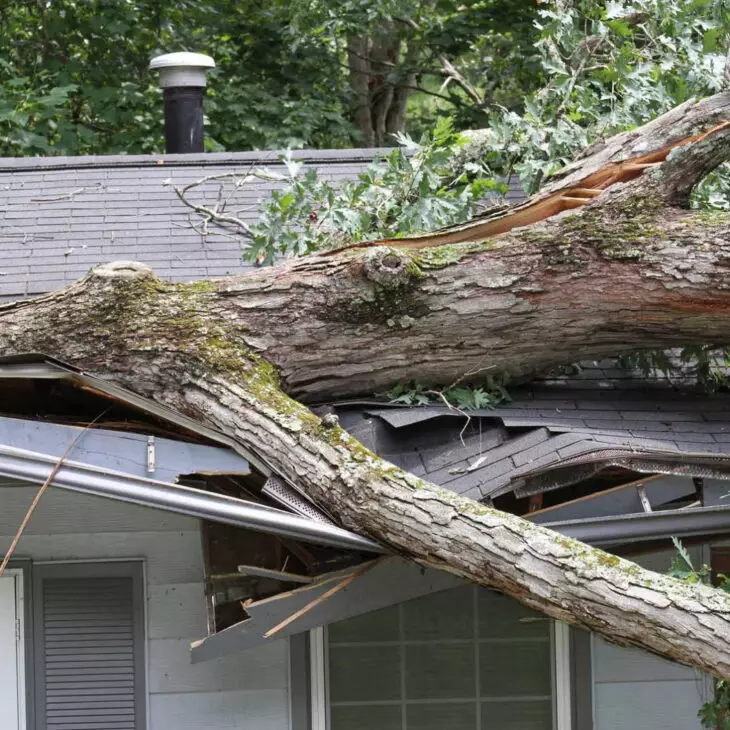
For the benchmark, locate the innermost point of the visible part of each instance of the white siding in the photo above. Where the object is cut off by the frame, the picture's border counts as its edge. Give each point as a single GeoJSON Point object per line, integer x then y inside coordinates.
{"type": "Point", "coordinates": [634, 690]}
{"type": "Point", "coordinates": [246, 690]}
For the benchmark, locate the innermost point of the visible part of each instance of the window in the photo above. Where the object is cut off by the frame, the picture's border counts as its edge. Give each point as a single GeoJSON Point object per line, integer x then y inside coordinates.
{"type": "Point", "coordinates": [89, 646]}
{"type": "Point", "coordinates": [463, 659]}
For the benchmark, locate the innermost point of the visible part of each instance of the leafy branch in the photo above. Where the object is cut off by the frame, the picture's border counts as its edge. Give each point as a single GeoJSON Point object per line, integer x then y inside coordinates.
{"type": "Point", "coordinates": [488, 393]}
{"type": "Point", "coordinates": [715, 714]}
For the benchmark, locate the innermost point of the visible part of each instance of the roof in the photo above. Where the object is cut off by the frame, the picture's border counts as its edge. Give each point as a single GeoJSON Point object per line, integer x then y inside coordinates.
{"type": "Point", "coordinates": [60, 216]}
{"type": "Point", "coordinates": [550, 438]}
{"type": "Point", "coordinates": [106, 462]}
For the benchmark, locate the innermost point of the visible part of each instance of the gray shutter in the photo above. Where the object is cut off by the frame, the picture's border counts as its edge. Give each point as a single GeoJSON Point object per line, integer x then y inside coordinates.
{"type": "Point", "coordinates": [89, 648]}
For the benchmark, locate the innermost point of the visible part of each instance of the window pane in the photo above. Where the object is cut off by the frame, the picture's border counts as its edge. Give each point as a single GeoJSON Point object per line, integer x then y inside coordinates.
{"type": "Point", "coordinates": [366, 717]}
{"type": "Point", "coordinates": [445, 716]}
{"type": "Point", "coordinates": [524, 715]}
{"type": "Point", "coordinates": [364, 673]}
{"type": "Point", "coordinates": [440, 671]}
{"type": "Point", "coordinates": [443, 615]}
{"type": "Point", "coordinates": [515, 668]}
{"type": "Point", "coordinates": [467, 658]}
{"type": "Point", "coordinates": [501, 617]}
{"type": "Point", "coordinates": [376, 626]}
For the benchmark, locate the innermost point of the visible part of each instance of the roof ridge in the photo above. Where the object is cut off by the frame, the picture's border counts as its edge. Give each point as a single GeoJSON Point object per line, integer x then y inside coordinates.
{"type": "Point", "coordinates": [206, 159]}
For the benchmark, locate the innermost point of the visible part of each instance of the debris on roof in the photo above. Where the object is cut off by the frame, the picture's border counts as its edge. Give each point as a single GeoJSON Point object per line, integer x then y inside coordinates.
{"type": "Point", "coordinates": [556, 453]}
{"type": "Point", "coordinates": [61, 216]}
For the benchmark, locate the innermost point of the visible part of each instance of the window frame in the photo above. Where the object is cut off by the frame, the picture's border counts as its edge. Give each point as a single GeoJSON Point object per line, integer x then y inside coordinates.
{"type": "Point", "coordinates": [20, 570]}
{"type": "Point", "coordinates": [318, 705]}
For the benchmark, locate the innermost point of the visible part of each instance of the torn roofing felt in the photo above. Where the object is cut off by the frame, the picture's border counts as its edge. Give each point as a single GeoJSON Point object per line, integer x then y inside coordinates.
{"type": "Point", "coordinates": [550, 438]}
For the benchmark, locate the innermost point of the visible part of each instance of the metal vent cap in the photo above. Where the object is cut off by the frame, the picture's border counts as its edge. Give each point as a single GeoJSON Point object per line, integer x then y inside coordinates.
{"type": "Point", "coordinates": [182, 69]}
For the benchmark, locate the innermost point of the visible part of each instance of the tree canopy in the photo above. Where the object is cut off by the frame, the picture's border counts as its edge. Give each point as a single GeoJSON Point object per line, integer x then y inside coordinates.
{"type": "Point", "coordinates": [74, 79]}
{"type": "Point", "coordinates": [542, 78]}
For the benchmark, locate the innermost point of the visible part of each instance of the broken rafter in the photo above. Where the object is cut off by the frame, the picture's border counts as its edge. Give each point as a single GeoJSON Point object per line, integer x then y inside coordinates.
{"type": "Point", "coordinates": [327, 594]}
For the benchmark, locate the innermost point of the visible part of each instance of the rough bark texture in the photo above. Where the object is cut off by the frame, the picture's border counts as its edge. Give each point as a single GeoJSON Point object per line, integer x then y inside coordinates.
{"type": "Point", "coordinates": [358, 48]}
{"type": "Point", "coordinates": [628, 269]}
{"type": "Point", "coordinates": [381, 83]}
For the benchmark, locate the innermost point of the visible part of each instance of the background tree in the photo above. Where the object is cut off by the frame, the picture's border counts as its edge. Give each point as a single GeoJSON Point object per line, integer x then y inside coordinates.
{"type": "Point", "coordinates": [74, 79]}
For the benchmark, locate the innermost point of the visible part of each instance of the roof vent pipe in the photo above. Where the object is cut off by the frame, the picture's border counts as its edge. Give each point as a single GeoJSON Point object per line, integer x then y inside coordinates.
{"type": "Point", "coordinates": [182, 79]}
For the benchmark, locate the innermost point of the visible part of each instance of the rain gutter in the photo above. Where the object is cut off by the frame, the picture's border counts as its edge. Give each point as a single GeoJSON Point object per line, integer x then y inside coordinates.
{"type": "Point", "coordinates": [35, 467]}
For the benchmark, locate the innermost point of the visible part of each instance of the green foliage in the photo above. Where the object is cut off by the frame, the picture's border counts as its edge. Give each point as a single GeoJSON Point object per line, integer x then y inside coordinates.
{"type": "Point", "coordinates": [411, 191]}
{"type": "Point", "coordinates": [713, 193]}
{"type": "Point", "coordinates": [541, 80]}
{"type": "Point", "coordinates": [605, 68]}
{"type": "Point", "coordinates": [489, 394]}
{"type": "Point", "coordinates": [682, 567]}
{"type": "Point", "coordinates": [715, 714]}
{"type": "Point", "coordinates": [491, 42]}
{"type": "Point", "coordinates": [709, 364]}
{"type": "Point", "coordinates": [74, 78]}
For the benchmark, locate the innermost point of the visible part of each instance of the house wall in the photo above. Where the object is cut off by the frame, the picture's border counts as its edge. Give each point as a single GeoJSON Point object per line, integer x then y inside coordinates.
{"type": "Point", "coordinates": [633, 689]}
{"type": "Point", "coordinates": [244, 690]}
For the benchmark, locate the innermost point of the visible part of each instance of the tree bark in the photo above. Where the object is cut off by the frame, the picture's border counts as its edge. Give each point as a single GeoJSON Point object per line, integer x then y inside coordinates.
{"type": "Point", "coordinates": [358, 53]}
{"type": "Point", "coordinates": [381, 83]}
{"type": "Point", "coordinates": [385, 54]}
{"type": "Point", "coordinates": [604, 260]}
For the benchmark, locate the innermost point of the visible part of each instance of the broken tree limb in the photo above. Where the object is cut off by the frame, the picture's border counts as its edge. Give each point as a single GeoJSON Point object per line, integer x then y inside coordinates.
{"type": "Point", "coordinates": [623, 159]}
{"type": "Point", "coordinates": [630, 268]}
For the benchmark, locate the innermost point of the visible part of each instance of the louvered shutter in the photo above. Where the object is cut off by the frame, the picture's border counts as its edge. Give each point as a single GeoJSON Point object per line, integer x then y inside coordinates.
{"type": "Point", "coordinates": [89, 648]}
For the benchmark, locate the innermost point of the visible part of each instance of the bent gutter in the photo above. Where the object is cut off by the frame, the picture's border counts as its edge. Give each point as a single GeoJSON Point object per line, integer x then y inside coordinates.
{"type": "Point", "coordinates": [638, 527]}
{"type": "Point", "coordinates": [35, 467]}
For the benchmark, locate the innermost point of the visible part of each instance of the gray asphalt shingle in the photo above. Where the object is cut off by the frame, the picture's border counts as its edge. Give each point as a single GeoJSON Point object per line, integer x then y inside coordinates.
{"type": "Point", "coordinates": [570, 430]}
{"type": "Point", "coordinates": [61, 216]}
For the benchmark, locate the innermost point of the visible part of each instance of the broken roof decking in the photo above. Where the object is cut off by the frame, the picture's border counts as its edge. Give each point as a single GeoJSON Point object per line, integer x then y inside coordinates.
{"type": "Point", "coordinates": [550, 437]}
{"type": "Point", "coordinates": [107, 463]}
{"type": "Point", "coordinates": [61, 216]}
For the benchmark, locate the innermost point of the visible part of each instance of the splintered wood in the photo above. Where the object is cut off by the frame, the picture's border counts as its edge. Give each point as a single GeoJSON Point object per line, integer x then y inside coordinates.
{"type": "Point", "coordinates": [541, 208]}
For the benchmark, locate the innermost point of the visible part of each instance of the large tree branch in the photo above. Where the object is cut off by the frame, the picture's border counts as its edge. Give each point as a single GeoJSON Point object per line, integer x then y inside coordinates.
{"type": "Point", "coordinates": [566, 276]}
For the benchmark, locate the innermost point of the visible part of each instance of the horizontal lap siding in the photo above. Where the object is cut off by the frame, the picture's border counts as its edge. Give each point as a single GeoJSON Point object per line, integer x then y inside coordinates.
{"type": "Point", "coordinates": [244, 690]}
{"type": "Point", "coordinates": [635, 690]}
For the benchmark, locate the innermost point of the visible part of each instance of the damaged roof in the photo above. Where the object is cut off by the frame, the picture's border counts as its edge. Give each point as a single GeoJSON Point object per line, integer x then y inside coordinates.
{"type": "Point", "coordinates": [61, 216]}
{"type": "Point", "coordinates": [550, 438]}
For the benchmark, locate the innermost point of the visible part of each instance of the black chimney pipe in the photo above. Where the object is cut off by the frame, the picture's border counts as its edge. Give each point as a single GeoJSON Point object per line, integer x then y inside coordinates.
{"type": "Point", "coordinates": [182, 77]}
{"type": "Point", "coordinates": [184, 119]}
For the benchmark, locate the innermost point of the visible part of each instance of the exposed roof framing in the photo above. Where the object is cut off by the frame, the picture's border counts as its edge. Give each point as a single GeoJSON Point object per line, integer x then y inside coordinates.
{"type": "Point", "coordinates": [31, 465]}
{"type": "Point", "coordinates": [41, 367]}
{"type": "Point", "coordinates": [394, 580]}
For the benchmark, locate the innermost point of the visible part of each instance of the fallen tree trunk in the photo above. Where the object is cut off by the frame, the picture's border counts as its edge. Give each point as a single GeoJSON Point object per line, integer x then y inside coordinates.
{"type": "Point", "coordinates": [581, 274]}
